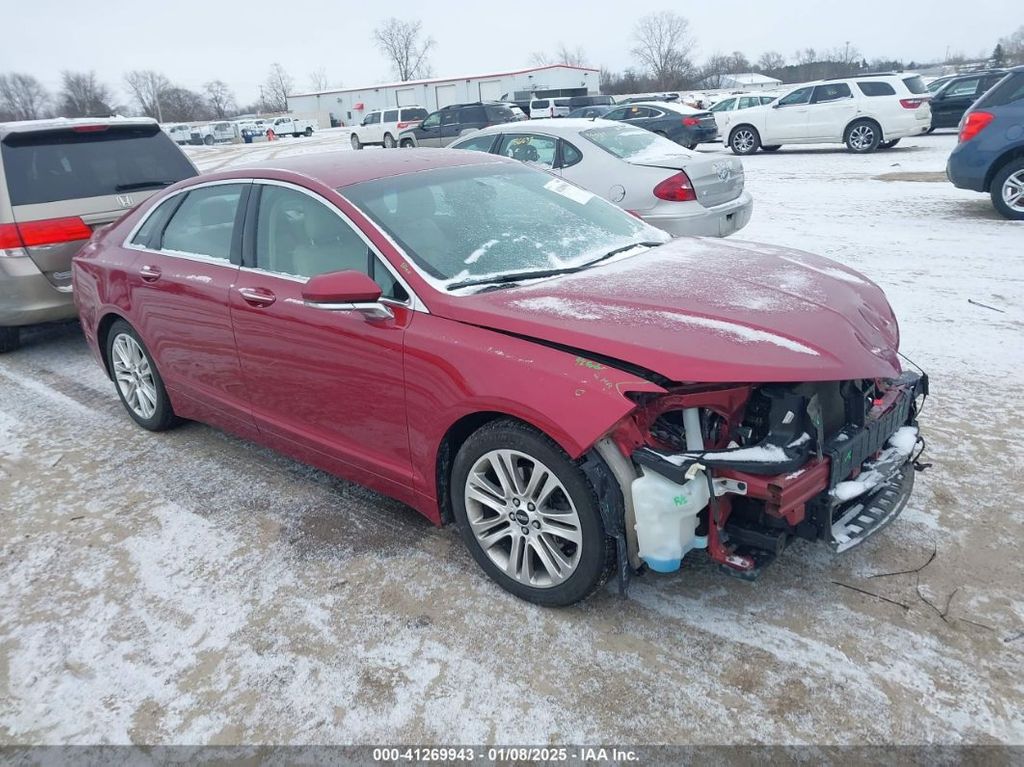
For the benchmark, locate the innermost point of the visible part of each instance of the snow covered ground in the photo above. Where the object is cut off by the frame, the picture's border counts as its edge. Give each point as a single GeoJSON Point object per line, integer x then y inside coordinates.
{"type": "Point", "coordinates": [192, 588]}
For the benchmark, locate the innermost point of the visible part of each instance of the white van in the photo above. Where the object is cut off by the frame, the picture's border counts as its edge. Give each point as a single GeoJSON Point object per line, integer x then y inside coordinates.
{"type": "Point", "coordinates": [543, 108]}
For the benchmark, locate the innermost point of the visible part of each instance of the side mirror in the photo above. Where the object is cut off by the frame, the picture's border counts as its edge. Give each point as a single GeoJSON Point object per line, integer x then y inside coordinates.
{"type": "Point", "coordinates": [348, 291]}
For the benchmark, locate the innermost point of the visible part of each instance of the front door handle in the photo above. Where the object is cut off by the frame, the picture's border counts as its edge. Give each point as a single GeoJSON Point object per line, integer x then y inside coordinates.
{"type": "Point", "coordinates": [149, 273]}
{"type": "Point", "coordinates": [257, 296]}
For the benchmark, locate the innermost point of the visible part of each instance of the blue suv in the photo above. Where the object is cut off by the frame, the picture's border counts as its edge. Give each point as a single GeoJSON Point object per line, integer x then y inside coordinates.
{"type": "Point", "coordinates": [990, 155]}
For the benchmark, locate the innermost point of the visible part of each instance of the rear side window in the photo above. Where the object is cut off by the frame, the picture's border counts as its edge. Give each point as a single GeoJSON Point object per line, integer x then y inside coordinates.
{"type": "Point", "coordinates": [831, 92]}
{"type": "Point", "coordinates": [1009, 90]}
{"type": "Point", "coordinates": [872, 88]}
{"type": "Point", "coordinates": [499, 114]}
{"type": "Point", "coordinates": [477, 143]}
{"type": "Point", "coordinates": [391, 116]}
{"type": "Point", "coordinates": [69, 165]}
{"type": "Point", "coordinates": [570, 154]}
{"type": "Point", "coordinates": [967, 87]}
{"type": "Point", "coordinates": [562, 102]}
{"type": "Point", "coordinates": [155, 222]}
{"type": "Point", "coordinates": [472, 115]}
{"type": "Point", "coordinates": [541, 104]}
{"type": "Point", "coordinates": [414, 114]}
{"type": "Point", "coordinates": [915, 84]}
{"type": "Point", "coordinates": [204, 223]}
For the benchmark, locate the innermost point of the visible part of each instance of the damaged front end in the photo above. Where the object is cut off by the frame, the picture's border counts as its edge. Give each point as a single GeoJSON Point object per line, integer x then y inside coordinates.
{"type": "Point", "coordinates": [742, 470]}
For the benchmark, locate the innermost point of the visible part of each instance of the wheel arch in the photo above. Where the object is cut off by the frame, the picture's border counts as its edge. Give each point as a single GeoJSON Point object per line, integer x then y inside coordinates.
{"type": "Point", "coordinates": [734, 128]}
{"type": "Point", "coordinates": [102, 331]}
{"type": "Point", "coordinates": [863, 118]}
{"type": "Point", "coordinates": [1011, 154]}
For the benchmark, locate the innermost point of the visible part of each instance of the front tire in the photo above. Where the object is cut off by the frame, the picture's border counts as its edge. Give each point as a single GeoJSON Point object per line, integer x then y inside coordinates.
{"type": "Point", "coordinates": [208, 141]}
{"type": "Point", "coordinates": [1007, 190]}
{"type": "Point", "coordinates": [529, 516]}
{"type": "Point", "coordinates": [356, 143]}
{"type": "Point", "coordinates": [10, 339]}
{"type": "Point", "coordinates": [408, 143]}
{"type": "Point", "coordinates": [138, 383]}
{"type": "Point", "coordinates": [863, 137]}
{"type": "Point", "coordinates": [744, 140]}
{"type": "Point", "coordinates": [308, 132]}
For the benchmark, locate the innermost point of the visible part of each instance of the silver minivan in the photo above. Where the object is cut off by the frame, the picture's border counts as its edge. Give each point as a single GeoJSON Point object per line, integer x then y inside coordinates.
{"type": "Point", "coordinates": [59, 180]}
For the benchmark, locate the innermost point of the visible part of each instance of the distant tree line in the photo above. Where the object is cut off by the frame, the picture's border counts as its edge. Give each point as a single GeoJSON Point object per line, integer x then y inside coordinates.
{"type": "Point", "coordinates": [663, 48]}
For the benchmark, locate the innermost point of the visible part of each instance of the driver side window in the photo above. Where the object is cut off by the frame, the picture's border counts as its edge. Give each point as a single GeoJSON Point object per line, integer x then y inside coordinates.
{"type": "Point", "coordinates": [799, 96]}
{"type": "Point", "coordinates": [432, 121]}
{"type": "Point", "coordinates": [300, 236]}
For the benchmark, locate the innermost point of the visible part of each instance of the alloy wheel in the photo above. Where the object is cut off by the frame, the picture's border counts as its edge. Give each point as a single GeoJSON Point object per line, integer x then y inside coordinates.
{"type": "Point", "coordinates": [1013, 191]}
{"type": "Point", "coordinates": [523, 518]}
{"type": "Point", "coordinates": [743, 140]}
{"type": "Point", "coordinates": [134, 376]}
{"type": "Point", "coordinates": [862, 137]}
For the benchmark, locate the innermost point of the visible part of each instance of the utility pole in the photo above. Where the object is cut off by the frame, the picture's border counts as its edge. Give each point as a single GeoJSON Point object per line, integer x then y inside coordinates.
{"type": "Point", "coordinates": [154, 86]}
{"type": "Point", "coordinates": [263, 105]}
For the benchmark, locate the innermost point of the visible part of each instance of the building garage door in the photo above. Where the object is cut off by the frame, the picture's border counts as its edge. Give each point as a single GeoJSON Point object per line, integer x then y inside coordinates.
{"type": "Point", "coordinates": [490, 90]}
{"type": "Point", "coordinates": [405, 97]}
{"type": "Point", "coordinates": [445, 95]}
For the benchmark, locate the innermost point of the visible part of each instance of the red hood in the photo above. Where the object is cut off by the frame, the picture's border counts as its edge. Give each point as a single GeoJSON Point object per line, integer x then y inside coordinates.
{"type": "Point", "coordinates": [706, 311]}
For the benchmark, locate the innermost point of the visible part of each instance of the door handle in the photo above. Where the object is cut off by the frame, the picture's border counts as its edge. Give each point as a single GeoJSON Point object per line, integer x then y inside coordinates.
{"type": "Point", "coordinates": [149, 273]}
{"type": "Point", "coordinates": [257, 296]}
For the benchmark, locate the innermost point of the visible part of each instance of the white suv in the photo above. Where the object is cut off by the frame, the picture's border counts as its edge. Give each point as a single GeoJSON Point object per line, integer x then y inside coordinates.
{"type": "Point", "coordinates": [382, 126]}
{"type": "Point", "coordinates": [866, 113]}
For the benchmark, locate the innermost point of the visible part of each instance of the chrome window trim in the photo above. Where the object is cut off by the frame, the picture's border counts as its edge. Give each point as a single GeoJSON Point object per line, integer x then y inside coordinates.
{"type": "Point", "coordinates": [414, 302]}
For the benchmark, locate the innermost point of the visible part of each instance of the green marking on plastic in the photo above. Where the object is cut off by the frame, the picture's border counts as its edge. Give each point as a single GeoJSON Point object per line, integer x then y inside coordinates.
{"type": "Point", "coordinates": [589, 364]}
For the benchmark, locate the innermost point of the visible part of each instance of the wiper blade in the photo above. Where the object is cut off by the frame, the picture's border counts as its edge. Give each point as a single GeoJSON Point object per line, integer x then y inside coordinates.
{"type": "Point", "coordinates": [142, 185]}
{"type": "Point", "coordinates": [504, 279]}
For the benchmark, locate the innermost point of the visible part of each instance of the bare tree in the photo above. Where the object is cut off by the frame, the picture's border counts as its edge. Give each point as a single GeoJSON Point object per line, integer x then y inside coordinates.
{"type": "Point", "coordinates": [318, 79]}
{"type": "Point", "coordinates": [664, 45]}
{"type": "Point", "coordinates": [219, 97]}
{"type": "Point", "coordinates": [22, 97]}
{"type": "Point", "coordinates": [183, 105]}
{"type": "Point", "coordinates": [147, 88]}
{"type": "Point", "coordinates": [82, 95]}
{"type": "Point", "coordinates": [403, 45]}
{"type": "Point", "coordinates": [806, 56]}
{"type": "Point", "coordinates": [771, 61]}
{"type": "Point", "coordinates": [277, 87]}
{"type": "Point", "coordinates": [573, 57]}
{"type": "Point", "coordinates": [714, 70]}
{"type": "Point", "coordinates": [1013, 46]}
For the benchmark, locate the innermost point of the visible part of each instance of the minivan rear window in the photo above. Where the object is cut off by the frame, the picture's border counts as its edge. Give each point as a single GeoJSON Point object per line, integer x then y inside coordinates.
{"type": "Point", "coordinates": [872, 88]}
{"type": "Point", "coordinates": [915, 84]}
{"type": "Point", "coordinates": [67, 164]}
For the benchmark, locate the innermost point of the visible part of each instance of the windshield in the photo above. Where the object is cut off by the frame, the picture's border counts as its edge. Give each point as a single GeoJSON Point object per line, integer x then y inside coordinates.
{"type": "Point", "coordinates": [472, 222]}
{"type": "Point", "coordinates": [628, 143]}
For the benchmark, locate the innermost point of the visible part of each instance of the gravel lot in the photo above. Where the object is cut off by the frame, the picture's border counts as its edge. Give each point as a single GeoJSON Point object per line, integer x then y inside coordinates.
{"type": "Point", "coordinates": [189, 587]}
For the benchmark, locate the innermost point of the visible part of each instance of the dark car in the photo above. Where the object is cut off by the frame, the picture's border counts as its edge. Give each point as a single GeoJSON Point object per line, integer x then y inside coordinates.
{"type": "Point", "coordinates": [677, 122]}
{"type": "Point", "coordinates": [442, 127]}
{"type": "Point", "coordinates": [955, 97]}
{"type": "Point", "coordinates": [990, 155]}
{"type": "Point", "coordinates": [579, 102]}
{"type": "Point", "coordinates": [599, 110]}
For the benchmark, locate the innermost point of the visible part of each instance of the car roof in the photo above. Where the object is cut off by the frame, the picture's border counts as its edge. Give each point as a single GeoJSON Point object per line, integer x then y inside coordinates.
{"type": "Point", "coordinates": [63, 123]}
{"type": "Point", "coordinates": [345, 167]}
{"type": "Point", "coordinates": [672, 106]}
{"type": "Point", "coordinates": [552, 125]}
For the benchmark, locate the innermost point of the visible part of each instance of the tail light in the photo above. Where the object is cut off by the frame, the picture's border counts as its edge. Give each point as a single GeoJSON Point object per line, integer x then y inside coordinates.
{"type": "Point", "coordinates": [51, 231]}
{"type": "Point", "coordinates": [973, 124]}
{"type": "Point", "coordinates": [90, 128]}
{"type": "Point", "coordinates": [911, 103]}
{"type": "Point", "coordinates": [408, 124]}
{"type": "Point", "coordinates": [675, 188]}
{"type": "Point", "coordinates": [690, 122]}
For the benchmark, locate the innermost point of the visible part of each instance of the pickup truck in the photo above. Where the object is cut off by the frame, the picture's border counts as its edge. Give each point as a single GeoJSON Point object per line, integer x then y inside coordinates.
{"type": "Point", "coordinates": [294, 125]}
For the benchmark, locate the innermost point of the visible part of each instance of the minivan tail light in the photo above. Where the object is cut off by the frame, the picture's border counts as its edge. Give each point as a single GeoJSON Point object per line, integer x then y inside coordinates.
{"type": "Point", "coordinates": [10, 239]}
{"type": "Point", "coordinates": [973, 124]}
{"type": "Point", "coordinates": [50, 231]}
{"type": "Point", "coordinates": [675, 188]}
{"type": "Point", "coordinates": [689, 122]}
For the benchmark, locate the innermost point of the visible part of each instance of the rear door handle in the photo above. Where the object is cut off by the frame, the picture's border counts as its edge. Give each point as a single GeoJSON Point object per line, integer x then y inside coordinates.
{"type": "Point", "coordinates": [257, 296]}
{"type": "Point", "coordinates": [149, 273]}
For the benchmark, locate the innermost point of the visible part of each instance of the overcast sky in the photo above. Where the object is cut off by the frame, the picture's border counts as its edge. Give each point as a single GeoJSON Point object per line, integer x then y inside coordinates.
{"type": "Point", "coordinates": [237, 41]}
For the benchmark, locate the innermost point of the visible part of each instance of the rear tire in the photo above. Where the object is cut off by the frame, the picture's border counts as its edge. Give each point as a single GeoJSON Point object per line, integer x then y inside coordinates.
{"type": "Point", "coordinates": [888, 144]}
{"type": "Point", "coordinates": [744, 140]}
{"type": "Point", "coordinates": [863, 136]}
{"type": "Point", "coordinates": [208, 140]}
{"type": "Point", "coordinates": [389, 141]}
{"type": "Point", "coordinates": [929, 131]}
{"type": "Point", "coordinates": [356, 144]}
{"type": "Point", "coordinates": [771, 148]}
{"type": "Point", "coordinates": [10, 339]}
{"type": "Point", "coordinates": [564, 553]}
{"type": "Point", "coordinates": [138, 382]}
{"type": "Point", "coordinates": [1007, 190]}
{"type": "Point", "coordinates": [308, 132]}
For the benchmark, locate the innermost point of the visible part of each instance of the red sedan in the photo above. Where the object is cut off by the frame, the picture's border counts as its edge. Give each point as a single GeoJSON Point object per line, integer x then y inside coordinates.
{"type": "Point", "coordinates": [496, 347]}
